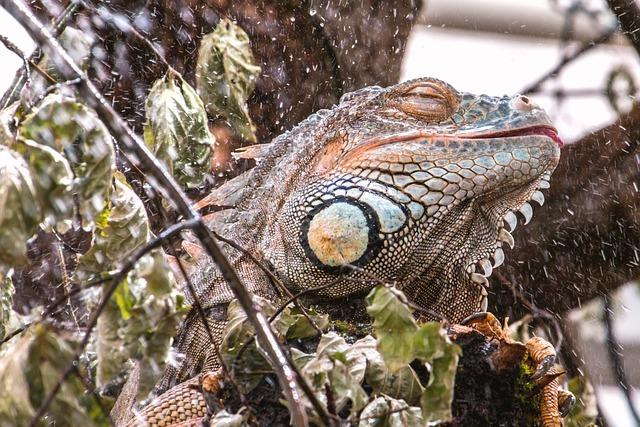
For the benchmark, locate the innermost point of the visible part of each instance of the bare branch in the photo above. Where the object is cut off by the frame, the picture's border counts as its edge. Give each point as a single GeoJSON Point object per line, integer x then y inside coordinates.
{"type": "Point", "coordinates": [59, 24]}
{"type": "Point", "coordinates": [616, 360]}
{"type": "Point", "coordinates": [167, 185]}
{"type": "Point", "coordinates": [628, 14]}
{"type": "Point", "coordinates": [537, 85]}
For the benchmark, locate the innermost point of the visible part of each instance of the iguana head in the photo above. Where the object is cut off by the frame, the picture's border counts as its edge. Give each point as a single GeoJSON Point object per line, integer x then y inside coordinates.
{"type": "Point", "coordinates": [416, 184]}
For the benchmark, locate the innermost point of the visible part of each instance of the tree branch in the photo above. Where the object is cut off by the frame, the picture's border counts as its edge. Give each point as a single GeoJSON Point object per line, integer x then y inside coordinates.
{"type": "Point", "coordinates": [170, 189]}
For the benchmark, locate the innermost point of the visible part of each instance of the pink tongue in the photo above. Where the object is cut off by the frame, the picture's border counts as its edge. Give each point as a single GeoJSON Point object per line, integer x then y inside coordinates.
{"type": "Point", "coordinates": [551, 133]}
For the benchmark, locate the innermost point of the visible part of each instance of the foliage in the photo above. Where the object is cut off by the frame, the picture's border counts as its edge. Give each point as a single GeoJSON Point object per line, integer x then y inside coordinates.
{"type": "Point", "coordinates": [226, 75]}
{"type": "Point", "coordinates": [339, 372]}
{"type": "Point", "coordinates": [28, 371]}
{"type": "Point", "coordinates": [177, 131]}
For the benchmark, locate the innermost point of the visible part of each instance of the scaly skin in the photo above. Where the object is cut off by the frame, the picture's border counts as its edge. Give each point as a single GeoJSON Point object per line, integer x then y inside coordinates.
{"type": "Point", "coordinates": [411, 184]}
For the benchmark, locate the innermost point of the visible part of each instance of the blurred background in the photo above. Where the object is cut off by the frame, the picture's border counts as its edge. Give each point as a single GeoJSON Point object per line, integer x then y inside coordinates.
{"type": "Point", "coordinates": [505, 47]}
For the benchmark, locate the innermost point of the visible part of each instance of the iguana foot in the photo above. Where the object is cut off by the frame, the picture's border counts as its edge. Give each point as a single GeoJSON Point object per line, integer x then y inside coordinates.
{"type": "Point", "coordinates": [555, 402]}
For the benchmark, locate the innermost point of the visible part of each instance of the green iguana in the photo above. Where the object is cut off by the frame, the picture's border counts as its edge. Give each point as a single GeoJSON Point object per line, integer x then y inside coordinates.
{"type": "Point", "coordinates": [415, 184]}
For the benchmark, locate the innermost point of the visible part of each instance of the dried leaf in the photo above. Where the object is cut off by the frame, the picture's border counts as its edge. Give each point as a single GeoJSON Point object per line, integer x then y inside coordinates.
{"type": "Point", "coordinates": [72, 129]}
{"type": "Point", "coordinates": [226, 74]}
{"type": "Point", "coordinates": [177, 131]}
{"type": "Point", "coordinates": [385, 411]}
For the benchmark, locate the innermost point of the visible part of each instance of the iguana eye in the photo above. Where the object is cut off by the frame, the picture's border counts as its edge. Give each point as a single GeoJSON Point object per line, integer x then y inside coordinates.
{"type": "Point", "coordinates": [428, 101]}
{"type": "Point", "coordinates": [340, 231]}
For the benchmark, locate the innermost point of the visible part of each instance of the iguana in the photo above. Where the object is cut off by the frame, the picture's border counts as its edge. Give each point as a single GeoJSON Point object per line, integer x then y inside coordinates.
{"type": "Point", "coordinates": [415, 185]}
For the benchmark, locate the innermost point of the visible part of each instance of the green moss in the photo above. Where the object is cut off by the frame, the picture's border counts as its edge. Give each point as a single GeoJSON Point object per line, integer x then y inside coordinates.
{"type": "Point", "coordinates": [524, 389]}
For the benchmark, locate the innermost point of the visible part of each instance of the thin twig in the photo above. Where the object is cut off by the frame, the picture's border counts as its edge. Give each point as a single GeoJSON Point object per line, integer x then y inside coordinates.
{"type": "Point", "coordinates": [27, 62]}
{"type": "Point", "coordinates": [124, 26]}
{"type": "Point", "coordinates": [628, 14]}
{"type": "Point", "coordinates": [537, 85]}
{"type": "Point", "coordinates": [170, 189]}
{"type": "Point", "coordinates": [12, 94]}
{"type": "Point", "coordinates": [203, 319]}
{"type": "Point", "coordinates": [108, 292]}
{"type": "Point", "coordinates": [274, 279]}
{"type": "Point", "coordinates": [616, 360]}
{"type": "Point", "coordinates": [90, 387]}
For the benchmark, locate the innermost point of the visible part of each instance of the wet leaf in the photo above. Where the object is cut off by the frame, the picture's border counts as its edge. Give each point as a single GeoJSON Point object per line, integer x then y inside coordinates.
{"type": "Point", "coordinates": [74, 130]}
{"type": "Point", "coordinates": [438, 394]}
{"type": "Point", "coordinates": [138, 324]}
{"type": "Point", "coordinates": [394, 326]}
{"type": "Point", "coordinates": [6, 303]}
{"type": "Point", "coordinates": [385, 411]}
{"type": "Point", "coordinates": [403, 384]}
{"type": "Point", "coordinates": [341, 371]}
{"type": "Point", "coordinates": [52, 177]}
{"type": "Point", "coordinates": [400, 340]}
{"type": "Point", "coordinates": [78, 45]}
{"type": "Point", "coordinates": [121, 228]}
{"type": "Point", "coordinates": [30, 368]}
{"type": "Point", "coordinates": [20, 212]}
{"type": "Point", "coordinates": [293, 324]}
{"type": "Point", "coordinates": [251, 366]}
{"type": "Point", "coordinates": [177, 130]}
{"type": "Point", "coordinates": [225, 76]}
{"type": "Point", "coordinates": [225, 419]}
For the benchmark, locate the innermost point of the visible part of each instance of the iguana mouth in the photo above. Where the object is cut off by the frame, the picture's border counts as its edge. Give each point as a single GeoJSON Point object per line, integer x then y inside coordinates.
{"type": "Point", "coordinates": [542, 130]}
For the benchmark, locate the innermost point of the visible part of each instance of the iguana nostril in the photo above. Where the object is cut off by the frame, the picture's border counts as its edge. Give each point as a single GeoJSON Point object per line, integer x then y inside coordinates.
{"type": "Point", "coordinates": [522, 103]}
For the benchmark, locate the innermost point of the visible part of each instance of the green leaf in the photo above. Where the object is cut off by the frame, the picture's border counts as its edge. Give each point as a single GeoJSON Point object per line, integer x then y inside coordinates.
{"type": "Point", "coordinates": [120, 229]}
{"type": "Point", "coordinates": [251, 366]}
{"type": "Point", "coordinates": [394, 326]}
{"type": "Point", "coordinates": [30, 368]}
{"type": "Point", "coordinates": [293, 324]}
{"type": "Point", "coordinates": [177, 130]}
{"type": "Point", "coordinates": [585, 412]}
{"type": "Point", "coordinates": [225, 419]}
{"type": "Point", "coordinates": [20, 211]}
{"type": "Point", "coordinates": [335, 367]}
{"type": "Point", "coordinates": [52, 177]}
{"type": "Point", "coordinates": [138, 324]}
{"type": "Point", "coordinates": [438, 395]}
{"type": "Point", "coordinates": [77, 44]}
{"type": "Point", "coordinates": [403, 384]}
{"type": "Point", "coordinates": [6, 303]}
{"type": "Point", "coordinates": [400, 340]}
{"type": "Point", "coordinates": [72, 129]}
{"type": "Point", "coordinates": [226, 74]}
{"type": "Point", "coordinates": [385, 411]}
